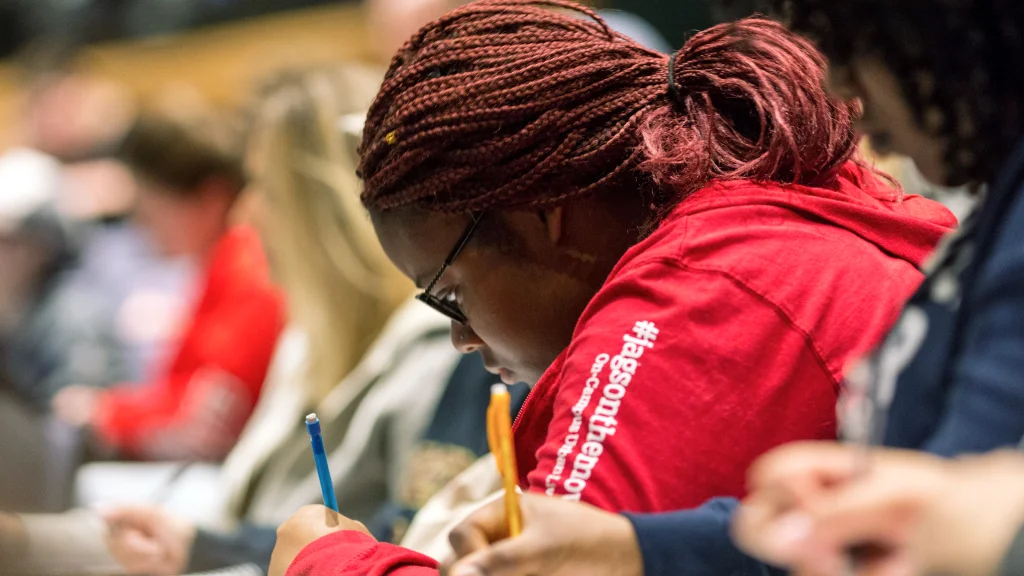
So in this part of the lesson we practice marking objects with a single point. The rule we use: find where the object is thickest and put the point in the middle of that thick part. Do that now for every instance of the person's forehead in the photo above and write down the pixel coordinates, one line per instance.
(417, 241)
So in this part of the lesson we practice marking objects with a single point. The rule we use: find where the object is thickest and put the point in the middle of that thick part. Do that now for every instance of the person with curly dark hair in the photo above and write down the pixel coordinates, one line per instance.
(680, 253)
(941, 82)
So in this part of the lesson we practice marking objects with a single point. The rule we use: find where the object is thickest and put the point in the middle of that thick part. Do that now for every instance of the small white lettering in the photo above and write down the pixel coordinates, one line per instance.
(602, 423)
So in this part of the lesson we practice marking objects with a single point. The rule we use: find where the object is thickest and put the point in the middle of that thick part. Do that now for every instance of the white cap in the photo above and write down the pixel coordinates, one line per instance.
(29, 182)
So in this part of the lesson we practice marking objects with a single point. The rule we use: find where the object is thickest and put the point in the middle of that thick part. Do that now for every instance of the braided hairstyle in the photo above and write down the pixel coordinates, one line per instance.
(520, 104)
(957, 61)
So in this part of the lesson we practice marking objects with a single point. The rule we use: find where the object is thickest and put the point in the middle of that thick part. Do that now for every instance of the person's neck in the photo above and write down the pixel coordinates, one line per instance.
(604, 230)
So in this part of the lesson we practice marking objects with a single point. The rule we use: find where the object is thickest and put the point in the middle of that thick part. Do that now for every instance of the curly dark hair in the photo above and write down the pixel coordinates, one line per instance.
(958, 63)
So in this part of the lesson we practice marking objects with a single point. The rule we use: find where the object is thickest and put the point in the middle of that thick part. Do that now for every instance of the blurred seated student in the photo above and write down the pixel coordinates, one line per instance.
(189, 174)
(405, 412)
(66, 111)
(68, 122)
(592, 243)
(947, 380)
(50, 335)
(74, 118)
(912, 513)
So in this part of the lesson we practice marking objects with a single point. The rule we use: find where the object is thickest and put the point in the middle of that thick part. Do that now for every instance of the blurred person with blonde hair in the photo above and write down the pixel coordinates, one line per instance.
(340, 287)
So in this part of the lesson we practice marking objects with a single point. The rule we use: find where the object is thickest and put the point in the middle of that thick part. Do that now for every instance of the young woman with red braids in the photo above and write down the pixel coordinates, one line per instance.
(681, 254)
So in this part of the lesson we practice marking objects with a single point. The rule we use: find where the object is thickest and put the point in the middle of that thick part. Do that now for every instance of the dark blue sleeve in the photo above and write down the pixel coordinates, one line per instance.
(985, 409)
(694, 541)
(249, 544)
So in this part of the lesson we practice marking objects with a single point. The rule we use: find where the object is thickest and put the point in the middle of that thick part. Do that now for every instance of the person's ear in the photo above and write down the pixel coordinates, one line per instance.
(219, 190)
(554, 220)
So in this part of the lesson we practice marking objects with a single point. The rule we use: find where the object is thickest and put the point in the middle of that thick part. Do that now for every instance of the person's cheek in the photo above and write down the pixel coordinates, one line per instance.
(498, 311)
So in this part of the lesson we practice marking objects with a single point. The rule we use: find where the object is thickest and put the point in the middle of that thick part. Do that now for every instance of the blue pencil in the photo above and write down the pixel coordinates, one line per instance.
(320, 458)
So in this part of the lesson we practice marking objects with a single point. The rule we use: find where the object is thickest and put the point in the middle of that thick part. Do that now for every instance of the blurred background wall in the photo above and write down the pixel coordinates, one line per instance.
(218, 63)
(216, 48)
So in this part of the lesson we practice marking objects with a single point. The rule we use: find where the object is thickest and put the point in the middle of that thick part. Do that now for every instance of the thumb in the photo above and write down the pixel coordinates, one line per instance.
(480, 529)
(141, 544)
(867, 512)
(514, 557)
(136, 552)
(141, 519)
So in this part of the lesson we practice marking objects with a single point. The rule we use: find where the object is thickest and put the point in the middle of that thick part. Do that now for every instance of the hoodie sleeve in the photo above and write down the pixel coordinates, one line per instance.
(350, 552)
(694, 541)
(671, 388)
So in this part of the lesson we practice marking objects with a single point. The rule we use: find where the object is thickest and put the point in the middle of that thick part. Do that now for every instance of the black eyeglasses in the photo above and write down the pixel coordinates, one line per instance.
(446, 305)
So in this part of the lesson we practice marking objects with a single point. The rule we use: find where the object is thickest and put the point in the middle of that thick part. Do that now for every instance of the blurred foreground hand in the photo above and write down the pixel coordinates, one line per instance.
(308, 524)
(910, 513)
(147, 540)
(559, 538)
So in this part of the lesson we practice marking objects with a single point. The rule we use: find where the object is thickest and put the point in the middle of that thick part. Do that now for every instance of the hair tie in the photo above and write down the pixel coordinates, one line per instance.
(673, 90)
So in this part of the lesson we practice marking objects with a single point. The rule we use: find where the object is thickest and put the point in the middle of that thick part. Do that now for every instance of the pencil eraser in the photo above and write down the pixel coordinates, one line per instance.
(313, 424)
(498, 389)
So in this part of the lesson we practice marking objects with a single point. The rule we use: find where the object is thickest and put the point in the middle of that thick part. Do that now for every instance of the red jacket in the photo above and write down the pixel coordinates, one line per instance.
(723, 334)
(198, 408)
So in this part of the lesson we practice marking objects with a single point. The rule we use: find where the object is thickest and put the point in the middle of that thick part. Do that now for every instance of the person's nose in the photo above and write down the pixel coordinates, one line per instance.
(465, 339)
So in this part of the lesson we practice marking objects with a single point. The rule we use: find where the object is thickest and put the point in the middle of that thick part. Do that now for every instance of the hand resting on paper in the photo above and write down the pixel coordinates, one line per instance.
(148, 540)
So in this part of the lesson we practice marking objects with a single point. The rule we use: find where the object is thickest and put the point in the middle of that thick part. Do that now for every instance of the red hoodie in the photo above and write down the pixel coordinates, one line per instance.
(723, 334)
(198, 407)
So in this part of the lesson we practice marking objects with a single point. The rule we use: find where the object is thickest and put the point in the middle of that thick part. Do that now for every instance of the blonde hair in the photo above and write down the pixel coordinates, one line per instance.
(340, 286)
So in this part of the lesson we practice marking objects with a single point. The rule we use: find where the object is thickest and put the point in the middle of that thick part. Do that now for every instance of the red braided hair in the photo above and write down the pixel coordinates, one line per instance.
(509, 104)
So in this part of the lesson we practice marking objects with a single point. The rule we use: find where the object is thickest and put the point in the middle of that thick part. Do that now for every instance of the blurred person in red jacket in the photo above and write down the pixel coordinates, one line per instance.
(189, 176)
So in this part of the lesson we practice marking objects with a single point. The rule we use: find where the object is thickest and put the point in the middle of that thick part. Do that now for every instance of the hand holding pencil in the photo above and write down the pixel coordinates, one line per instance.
(313, 522)
(559, 538)
(520, 535)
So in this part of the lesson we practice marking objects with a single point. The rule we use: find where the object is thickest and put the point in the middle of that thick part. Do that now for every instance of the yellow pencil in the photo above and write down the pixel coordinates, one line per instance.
(499, 437)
